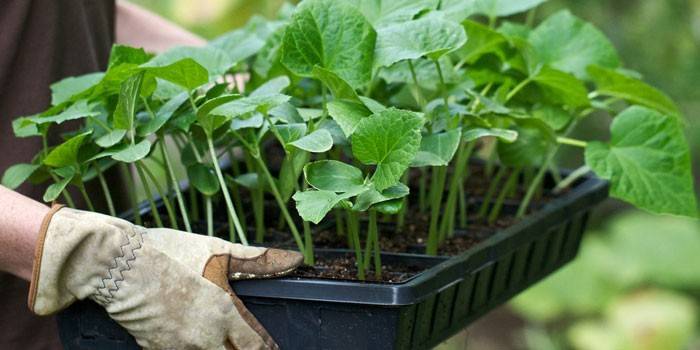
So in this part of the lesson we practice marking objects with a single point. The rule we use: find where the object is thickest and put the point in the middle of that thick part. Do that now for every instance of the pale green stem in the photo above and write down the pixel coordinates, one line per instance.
(105, 189)
(210, 216)
(176, 186)
(569, 180)
(163, 196)
(149, 196)
(227, 198)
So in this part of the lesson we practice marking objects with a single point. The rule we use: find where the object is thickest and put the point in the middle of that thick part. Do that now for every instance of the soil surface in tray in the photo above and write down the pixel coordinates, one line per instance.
(343, 268)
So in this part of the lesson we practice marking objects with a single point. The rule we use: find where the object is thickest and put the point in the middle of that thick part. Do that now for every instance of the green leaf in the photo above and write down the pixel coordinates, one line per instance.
(391, 207)
(333, 35)
(66, 153)
(371, 196)
(383, 12)
(437, 149)
(210, 121)
(291, 132)
(560, 87)
(203, 178)
(64, 90)
(430, 36)
(186, 73)
(338, 87)
(313, 205)
(571, 45)
(17, 174)
(78, 110)
(24, 127)
(557, 118)
(426, 73)
(535, 140)
(318, 141)
(254, 120)
(133, 153)
(241, 106)
(271, 87)
(389, 140)
(292, 167)
(248, 180)
(334, 176)
(504, 8)
(611, 83)
(55, 189)
(122, 54)
(163, 115)
(647, 162)
(128, 98)
(213, 59)
(457, 10)
(347, 114)
(111, 138)
(482, 40)
(502, 134)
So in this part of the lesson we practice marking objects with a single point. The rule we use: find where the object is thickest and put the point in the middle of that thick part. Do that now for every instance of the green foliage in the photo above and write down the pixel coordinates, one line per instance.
(647, 162)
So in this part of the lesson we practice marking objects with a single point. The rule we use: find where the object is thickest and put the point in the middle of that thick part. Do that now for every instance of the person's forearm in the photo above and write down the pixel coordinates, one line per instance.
(20, 222)
(138, 27)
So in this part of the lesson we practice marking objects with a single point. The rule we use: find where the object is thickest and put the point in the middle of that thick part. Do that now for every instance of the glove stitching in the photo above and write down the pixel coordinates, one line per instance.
(122, 263)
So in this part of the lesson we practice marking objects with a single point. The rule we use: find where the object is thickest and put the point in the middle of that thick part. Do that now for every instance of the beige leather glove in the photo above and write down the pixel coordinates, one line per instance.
(168, 288)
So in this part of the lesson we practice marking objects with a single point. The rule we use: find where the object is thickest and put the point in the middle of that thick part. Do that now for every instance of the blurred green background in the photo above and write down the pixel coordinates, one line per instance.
(636, 283)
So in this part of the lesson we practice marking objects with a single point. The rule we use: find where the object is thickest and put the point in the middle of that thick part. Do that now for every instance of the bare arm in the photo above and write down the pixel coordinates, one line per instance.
(20, 221)
(138, 27)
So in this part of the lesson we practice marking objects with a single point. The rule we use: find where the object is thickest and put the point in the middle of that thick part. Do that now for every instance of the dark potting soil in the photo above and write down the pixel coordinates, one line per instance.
(343, 268)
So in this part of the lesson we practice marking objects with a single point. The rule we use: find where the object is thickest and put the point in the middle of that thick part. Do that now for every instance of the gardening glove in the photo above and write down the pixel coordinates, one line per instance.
(168, 288)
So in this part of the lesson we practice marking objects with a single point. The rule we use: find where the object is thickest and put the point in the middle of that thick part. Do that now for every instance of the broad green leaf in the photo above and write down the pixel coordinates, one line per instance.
(372, 105)
(186, 73)
(561, 87)
(437, 149)
(128, 98)
(313, 205)
(371, 196)
(247, 41)
(122, 54)
(25, 127)
(383, 12)
(248, 180)
(78, 110)
(17, 174)
(556, 117)
(55, 189)
(111, 138)
(243, 105)
(502, 134)
(457, 10)
(272, 86)
(291, 132)
(213, 59)
(211, 121)
(571, 45)
(310, 113)
(203, 178)
(334, 176)
(64, 90)
(133, 153)
(288, 113)
(338, 87)
(429, 36)
(66, 153)
(389, 140)
(535, 140)
(347, 114)
(318, 141)
(647, 162)
(504, 8)
(391, 207)
(333, 35)
(255, 120)
(482, 40)
(488, 105)
(612, 83)
(163, 115)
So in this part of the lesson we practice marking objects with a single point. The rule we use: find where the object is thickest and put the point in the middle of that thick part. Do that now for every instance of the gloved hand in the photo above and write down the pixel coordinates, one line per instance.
(169, 289)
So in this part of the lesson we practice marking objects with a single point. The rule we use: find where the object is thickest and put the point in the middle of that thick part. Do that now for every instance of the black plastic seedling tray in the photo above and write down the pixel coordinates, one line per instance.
(416, 314)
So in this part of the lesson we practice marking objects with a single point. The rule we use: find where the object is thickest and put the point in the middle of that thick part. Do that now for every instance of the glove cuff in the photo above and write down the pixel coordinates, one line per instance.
(38, 253)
